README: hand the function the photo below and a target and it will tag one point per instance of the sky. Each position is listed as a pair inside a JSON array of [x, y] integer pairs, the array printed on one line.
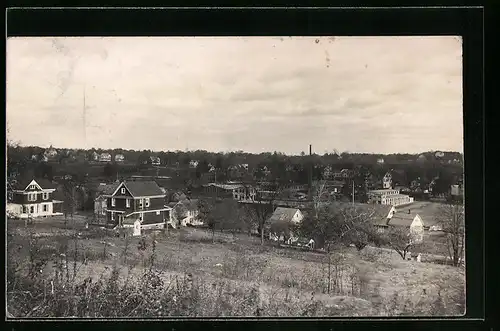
[[256, 94]]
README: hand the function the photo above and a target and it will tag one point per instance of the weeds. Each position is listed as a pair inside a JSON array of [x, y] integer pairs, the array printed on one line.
[[245, 284]]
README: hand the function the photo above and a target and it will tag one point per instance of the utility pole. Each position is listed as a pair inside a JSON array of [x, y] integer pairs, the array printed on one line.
[[310, 171], [84, 118], [353, 183]]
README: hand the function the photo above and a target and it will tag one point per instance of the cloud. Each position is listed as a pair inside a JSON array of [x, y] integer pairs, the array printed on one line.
[[360, 94]]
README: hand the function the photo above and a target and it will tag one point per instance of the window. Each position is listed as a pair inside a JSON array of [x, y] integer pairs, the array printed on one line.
[[45, 208], [112, 216], [123, 190], [32, 209], [158, 212], [113, 202], [147, 202], [128, 203], [31, 196], [45, 196], [141, 202], [141, 217], [32, 187]]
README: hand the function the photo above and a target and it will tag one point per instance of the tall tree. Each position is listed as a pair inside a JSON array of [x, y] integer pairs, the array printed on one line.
[[207, 213], [451, 219], [263, 203]]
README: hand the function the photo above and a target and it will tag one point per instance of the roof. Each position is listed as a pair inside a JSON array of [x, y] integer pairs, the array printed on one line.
[[44, 183], [379, 213], [226, 186], [382, 191], [143, 188], [402, 218], [107, 189], [191, 204], [283, 214]]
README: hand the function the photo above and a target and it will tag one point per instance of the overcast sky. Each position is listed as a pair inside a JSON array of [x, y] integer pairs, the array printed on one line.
[[371, 94]]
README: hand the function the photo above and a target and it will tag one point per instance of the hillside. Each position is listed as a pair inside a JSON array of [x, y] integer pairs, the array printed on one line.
[[282, 282]]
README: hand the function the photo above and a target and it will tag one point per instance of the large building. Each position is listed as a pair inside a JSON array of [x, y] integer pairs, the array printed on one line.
[[33, 198], [388, 197], [137, 200], [238, 192]]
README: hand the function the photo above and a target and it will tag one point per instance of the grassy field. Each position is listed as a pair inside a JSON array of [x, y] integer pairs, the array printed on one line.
[[189, 274]]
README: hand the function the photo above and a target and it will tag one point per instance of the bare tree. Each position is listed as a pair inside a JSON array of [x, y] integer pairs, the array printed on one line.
[[399, 240], [451, 219], [263, 203], [207, 213], [248, 218], [334, 225]]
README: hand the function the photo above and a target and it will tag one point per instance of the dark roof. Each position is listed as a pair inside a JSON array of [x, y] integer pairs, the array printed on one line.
[[107, 189], [379, 213], [191, 204], [143, 188], [44, 183], [283, 214]]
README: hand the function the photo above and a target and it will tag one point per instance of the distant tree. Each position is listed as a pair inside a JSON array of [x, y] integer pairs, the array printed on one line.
[[144, 158], [70, 199], [185, 159], [208, 214], [44, 170], [202, 167], [110, 170], [227, 215], [248, 218]]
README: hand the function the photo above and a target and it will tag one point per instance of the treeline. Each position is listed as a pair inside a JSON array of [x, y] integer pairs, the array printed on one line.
[[445, 168]]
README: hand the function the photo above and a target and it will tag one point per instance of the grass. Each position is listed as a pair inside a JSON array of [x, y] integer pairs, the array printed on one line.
[[53, 271]]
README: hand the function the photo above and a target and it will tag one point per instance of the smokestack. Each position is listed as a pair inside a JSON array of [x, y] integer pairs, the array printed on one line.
[[310, 172]]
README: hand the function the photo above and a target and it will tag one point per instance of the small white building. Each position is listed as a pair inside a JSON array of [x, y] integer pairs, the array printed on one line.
[[193, 163], [105, 157], [387, 181], [119, 158], [155, 160], [50, 154], [293, 215], [417, 230]]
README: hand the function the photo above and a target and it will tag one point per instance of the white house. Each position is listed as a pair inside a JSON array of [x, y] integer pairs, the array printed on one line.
[[155, 160], [193, 163], [33, 198], [417, 230], [105, 157], [119, 158], [185, 213], [293, 215]]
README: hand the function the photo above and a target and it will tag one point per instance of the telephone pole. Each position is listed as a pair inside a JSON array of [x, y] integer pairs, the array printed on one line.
[[353, 183]]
